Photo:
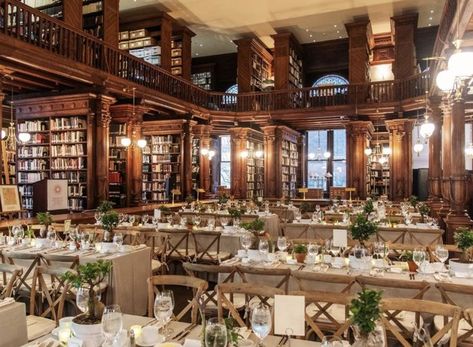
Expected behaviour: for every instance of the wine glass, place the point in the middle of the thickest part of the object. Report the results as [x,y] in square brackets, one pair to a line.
[297,216]
[263,247]
[335,250]
[155,221]
[163,308]
[211,223]
[312,251]
[419,257]
[246,240]
[112,323]
[197,221]
[82,299]
[18,233]
[261,321]
[331,341]
[145,219]
[224,221]
[51,235]
[441,253]
[118,239]
[282,243]
[131,219]
[97,216]
[215,333]
[121,218]
[183,222]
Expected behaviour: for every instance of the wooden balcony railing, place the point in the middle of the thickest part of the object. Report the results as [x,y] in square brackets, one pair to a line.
[27,24]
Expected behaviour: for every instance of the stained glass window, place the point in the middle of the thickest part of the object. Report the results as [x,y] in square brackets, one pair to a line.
[336,85]
[230,99]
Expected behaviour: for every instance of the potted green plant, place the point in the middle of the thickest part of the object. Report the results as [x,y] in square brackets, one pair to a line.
[86,326]
[105,206]
[365,312]
[368,208]
[109,222]
[464,240]
[45,219]
[407,257]
[424,210]
[300,252]
[362,229]
[189,200]
[413,200]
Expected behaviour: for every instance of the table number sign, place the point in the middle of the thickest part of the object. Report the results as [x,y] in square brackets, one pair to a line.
[340,237]
[289,315]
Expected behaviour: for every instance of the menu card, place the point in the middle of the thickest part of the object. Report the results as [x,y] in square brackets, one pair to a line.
[289,315]
[340,237]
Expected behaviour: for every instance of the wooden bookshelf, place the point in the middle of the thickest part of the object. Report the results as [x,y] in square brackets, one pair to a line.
[60,147]
[163,160]
[287,62]
[247,171]
[118,164]
[254,64]
[195,165]
[378,174]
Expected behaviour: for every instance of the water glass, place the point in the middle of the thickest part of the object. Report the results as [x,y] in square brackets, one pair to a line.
[211,223]
[261,321]
[145,219]
[183,222]
[197,221]
[312,252]
[419,257]
[118,239]
[163,308]
[282,243]
[331,341]
[51,235]
[131,219]
[215,333]
[246,240]
[82,298]
[97,216]
[441,253]
[112,322]
[224,221]
[155,221]
[263,247]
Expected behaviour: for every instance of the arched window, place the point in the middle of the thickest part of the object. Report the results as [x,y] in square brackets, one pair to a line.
[330,85]
[230,99]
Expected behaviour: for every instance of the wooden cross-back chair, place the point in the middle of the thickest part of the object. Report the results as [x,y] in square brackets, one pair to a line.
[318,318]
[451,312]
[220,274]
[66,261]
[408,289]
[224,290]
[176,246]
[207,247]
[199,286]
[10,275]
[55,292]
[34,259]
[435,236]
[303,233]
[459,295]
[256,276]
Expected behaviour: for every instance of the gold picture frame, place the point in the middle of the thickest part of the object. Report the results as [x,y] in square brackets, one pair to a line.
[10,198]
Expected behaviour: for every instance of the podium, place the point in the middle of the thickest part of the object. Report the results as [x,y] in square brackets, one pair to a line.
[50,195]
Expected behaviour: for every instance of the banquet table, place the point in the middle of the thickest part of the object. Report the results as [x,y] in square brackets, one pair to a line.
[177,327]
[127,281]
[404,234]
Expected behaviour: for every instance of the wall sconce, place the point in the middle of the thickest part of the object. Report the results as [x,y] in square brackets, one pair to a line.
[126,142]
[244,154]
[259,154]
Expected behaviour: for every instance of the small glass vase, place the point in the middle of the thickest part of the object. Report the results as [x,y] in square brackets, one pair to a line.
[376,338]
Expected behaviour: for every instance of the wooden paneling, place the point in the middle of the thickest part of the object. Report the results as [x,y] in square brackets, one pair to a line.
[404,48]
[358,51]
[111,21]
[73,13]
[224,67]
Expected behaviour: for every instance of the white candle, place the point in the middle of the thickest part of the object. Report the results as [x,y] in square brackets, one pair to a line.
[64,335]
[136,330]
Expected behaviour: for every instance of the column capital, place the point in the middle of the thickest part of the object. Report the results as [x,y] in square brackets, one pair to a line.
[360,129]
[103,110]
[400,126]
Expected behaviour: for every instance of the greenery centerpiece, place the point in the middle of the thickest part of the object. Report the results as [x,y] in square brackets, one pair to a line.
[109,222]
[413,201]
[424,211]
[408,257]
[362,229]
[105,206]
[300,252]
[464,240]
[256,227]
[45,219]
[368,208]
[89,276]
[365,311]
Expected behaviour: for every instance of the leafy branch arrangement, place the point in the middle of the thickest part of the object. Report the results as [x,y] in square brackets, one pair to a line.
[300,249]
[464,240]
[90,276]
[105,206]
[413,200]
[109,221]
[368,208]
[362,229]
[365,311]
[424,210]
[44,218]
[256,225]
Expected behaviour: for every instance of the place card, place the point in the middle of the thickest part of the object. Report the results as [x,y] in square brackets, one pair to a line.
[340,238]
[289,315]
[157,213]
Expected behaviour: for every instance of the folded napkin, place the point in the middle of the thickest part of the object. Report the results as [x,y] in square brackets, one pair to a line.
[395,270]
[462,274]
[6,301]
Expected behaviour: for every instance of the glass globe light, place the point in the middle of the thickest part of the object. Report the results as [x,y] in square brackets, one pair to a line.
[445,80]
[24,137]
[427,129]
[327,154]
[460,64]
[3,134]
[386,150]
[211,153]
[311,156]
[125,141]
[418,147]
[383,160]
[141,143]
[244,154]
[368,151]
[469,150]
[259,154]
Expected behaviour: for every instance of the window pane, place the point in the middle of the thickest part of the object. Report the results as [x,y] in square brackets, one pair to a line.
[339,144]
[225,174]
[226,148]
[317,144]
[339,173]
[316,174]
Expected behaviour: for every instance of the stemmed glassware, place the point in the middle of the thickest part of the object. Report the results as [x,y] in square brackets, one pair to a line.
[261,321]
[312,252]
[183,222]
[441,253]
[282,243]
[215,333]
[145,219]
[112,323]
[263,247]
[155,221]
[131,219]
[98,217]
[419,257]
[197,221]
[246,240]
[163,309]
[118,239]
[224,221]
[18,233]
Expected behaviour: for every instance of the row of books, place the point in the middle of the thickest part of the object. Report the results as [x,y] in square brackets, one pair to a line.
[115,177]
[71,177]
[65,123]
[156,186]
[31,177]
[68,164]
[67,150]
[162,149]
[33,152]
[69,136]
[33,165]
[156,158]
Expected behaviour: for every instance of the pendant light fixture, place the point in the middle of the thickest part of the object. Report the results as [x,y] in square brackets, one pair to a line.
[419,146]
[10,135]
[368,151]
[427,128]
[126,141]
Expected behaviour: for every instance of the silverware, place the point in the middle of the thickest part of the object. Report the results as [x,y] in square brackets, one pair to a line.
[150,323]
[183,333]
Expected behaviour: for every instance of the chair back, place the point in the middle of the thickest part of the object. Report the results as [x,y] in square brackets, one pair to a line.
[54,292]
[14,256]
[335,283]
[198,286]
[10,275]
[318,318]
[175,244]
[262,292]
[279,277]
[61,260]
[451,312]
[207,246]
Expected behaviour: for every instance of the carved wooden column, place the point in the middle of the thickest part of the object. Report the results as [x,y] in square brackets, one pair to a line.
[435,152]
[446,152]
[358,56]
[457,216]
[203,132]
[238,164]
[2,144]
[400,141]
[405,26]
[358,135]
[102,140]
[272,159]
[302,161]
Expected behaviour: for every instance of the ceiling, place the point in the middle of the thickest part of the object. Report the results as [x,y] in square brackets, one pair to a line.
[218,22]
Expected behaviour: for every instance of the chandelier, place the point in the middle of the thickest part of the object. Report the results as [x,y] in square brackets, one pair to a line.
[126,141]
[10,135]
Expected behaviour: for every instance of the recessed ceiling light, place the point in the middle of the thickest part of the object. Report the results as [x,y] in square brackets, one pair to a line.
[310,35]
[201,45]
[431,11]
[430,18]
[335,25]
[307,29]
[338,31]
